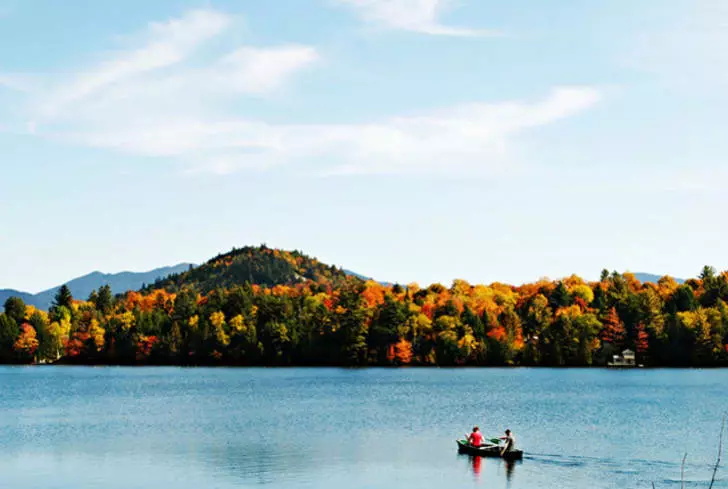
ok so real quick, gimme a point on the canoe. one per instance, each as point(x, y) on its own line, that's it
point(488, 451)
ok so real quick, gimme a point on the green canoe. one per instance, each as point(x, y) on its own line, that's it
point(488, 451)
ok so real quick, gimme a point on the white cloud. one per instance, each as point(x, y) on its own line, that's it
point(470, 138)
point(20, 83)
point(258, 70)
point(156, 82)
point(410, 15)
point(168, 43)
point(150, 101)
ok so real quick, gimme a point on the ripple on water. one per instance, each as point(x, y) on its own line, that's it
point(328, 428)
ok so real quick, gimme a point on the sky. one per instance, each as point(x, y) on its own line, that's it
point(407, 140)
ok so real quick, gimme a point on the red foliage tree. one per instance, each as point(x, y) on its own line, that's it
point(76, 345)
point(428, 310)
point(642, 341)
point(145, 346)
point(613, 329)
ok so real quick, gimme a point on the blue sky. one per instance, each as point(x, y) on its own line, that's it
point(409, 140)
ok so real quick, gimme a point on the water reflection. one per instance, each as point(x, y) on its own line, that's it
point(265, 463)
point(510, 465)
point(476, 465)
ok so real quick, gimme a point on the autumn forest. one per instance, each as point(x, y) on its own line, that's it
point(262, 306)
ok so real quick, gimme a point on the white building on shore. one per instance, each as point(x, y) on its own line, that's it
point(626, 359)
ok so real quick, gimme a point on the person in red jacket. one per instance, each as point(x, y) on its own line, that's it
point(476, 437)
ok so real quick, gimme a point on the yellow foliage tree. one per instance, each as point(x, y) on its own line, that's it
point(96, 332)
point(217, 319)
point(584, 292)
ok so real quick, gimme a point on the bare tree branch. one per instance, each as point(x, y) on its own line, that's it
point(720, 452)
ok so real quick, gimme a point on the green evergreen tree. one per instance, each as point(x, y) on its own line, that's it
point(105, 300)
point(352, 329)
point(46, 346)
point(387, 326)
point(9, 332)
point(560, 297)
point(470, 319)
point(15, 309)
point(63, 298)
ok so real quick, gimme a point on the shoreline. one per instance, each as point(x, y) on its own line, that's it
point(365, 367)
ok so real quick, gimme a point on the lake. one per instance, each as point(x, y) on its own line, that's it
point(78, 427)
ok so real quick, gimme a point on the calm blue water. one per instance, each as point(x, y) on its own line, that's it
point(63, 427)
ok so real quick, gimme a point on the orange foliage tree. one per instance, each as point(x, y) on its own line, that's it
point(27, 342)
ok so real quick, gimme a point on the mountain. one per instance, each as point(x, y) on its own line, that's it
point(365, 278)
point(258, 265)
point(6, 293)
point(81, 287)
point(357, 275)
point(648, 277)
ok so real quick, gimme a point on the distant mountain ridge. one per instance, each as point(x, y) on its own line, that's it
point(273, 269)
point(365, 278)
point(649, 277)
point(81, 287)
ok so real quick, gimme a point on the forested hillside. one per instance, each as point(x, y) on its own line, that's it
point(254, 265)
point(260, 306)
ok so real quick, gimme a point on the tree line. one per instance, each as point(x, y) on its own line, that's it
point(352, 322)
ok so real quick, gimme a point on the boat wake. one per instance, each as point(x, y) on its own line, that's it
point(648, 470)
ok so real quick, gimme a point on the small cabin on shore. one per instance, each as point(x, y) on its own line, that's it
point(626, 359)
